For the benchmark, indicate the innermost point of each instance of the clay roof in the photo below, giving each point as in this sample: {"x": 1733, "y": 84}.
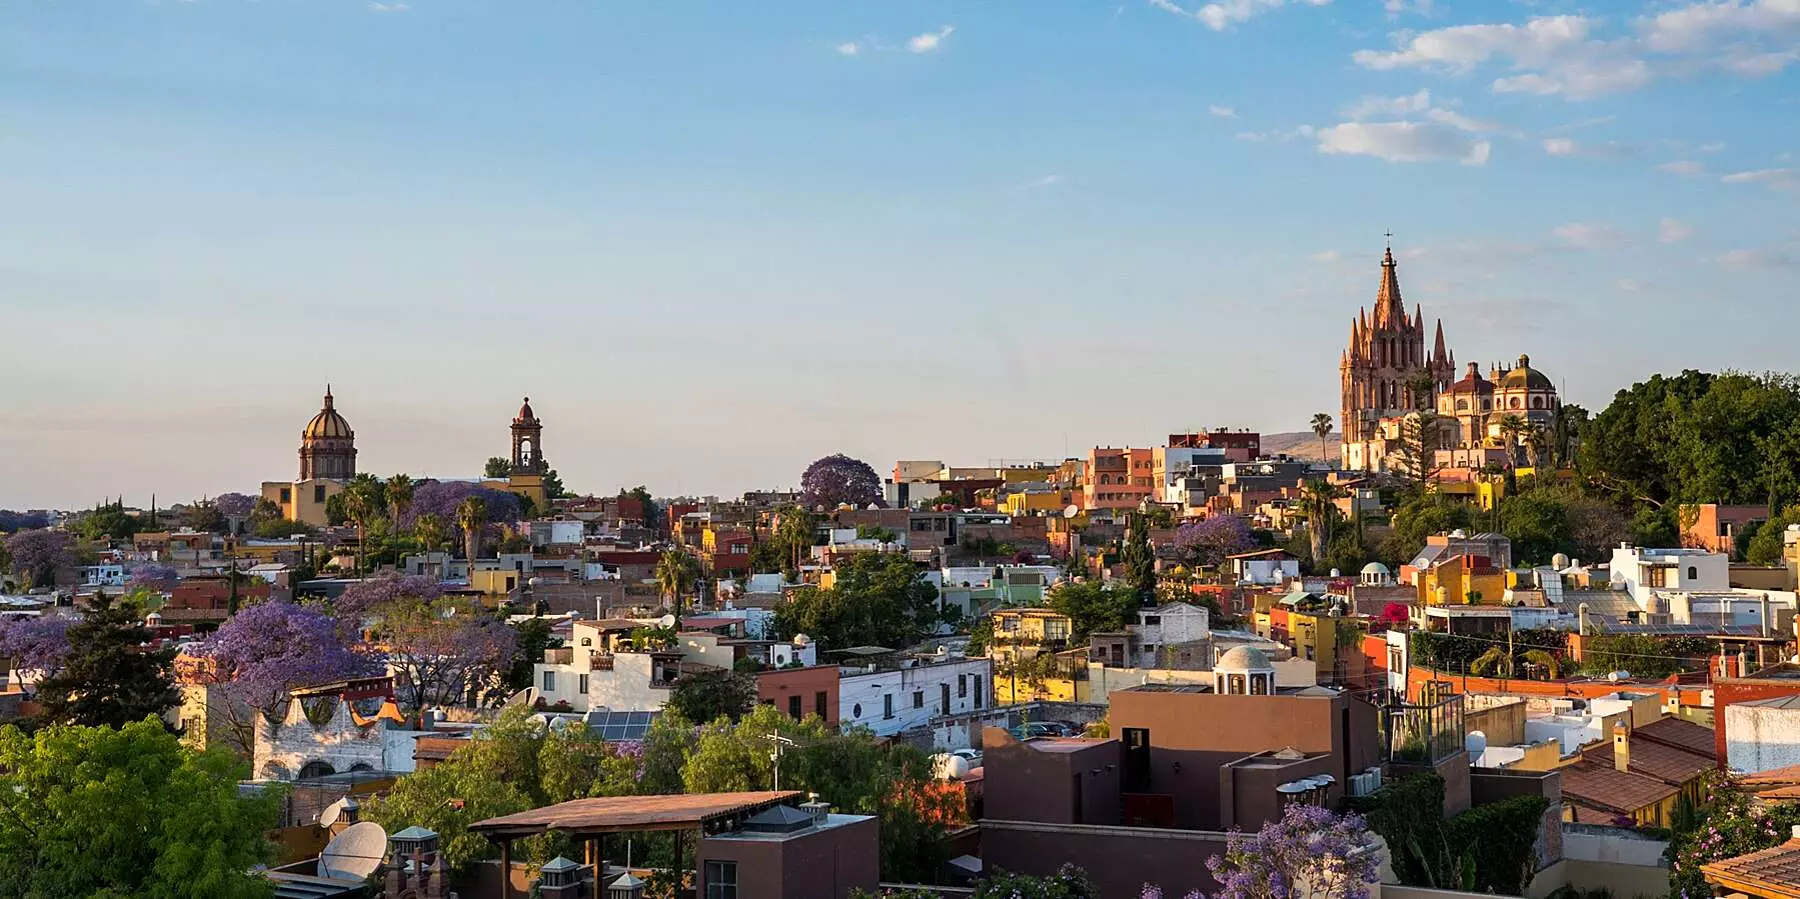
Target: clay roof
{"x": 1666, "y": 763}
{"x": 609, "y": 814}
{"x": 1600, "y": 786}
{"x": 1771, "y": 872}
{"x": 1774, "y": 777}
{"x": 1680, "y": 733}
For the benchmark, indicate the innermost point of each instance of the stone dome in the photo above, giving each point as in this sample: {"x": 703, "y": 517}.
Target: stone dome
{"x": 1244, "y": 658}
{"x": 525, "y": 413}
{"x": 1376, "y": 568}
{"x": 1524, "y": 377}
{"x": 328, "y": 424}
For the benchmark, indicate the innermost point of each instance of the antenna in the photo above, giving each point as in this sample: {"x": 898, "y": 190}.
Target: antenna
{"x": 355, "y": 853}
{"x": 775, "y": 755}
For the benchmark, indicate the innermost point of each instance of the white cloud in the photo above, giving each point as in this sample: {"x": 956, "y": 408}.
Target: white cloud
{"x": 1703, "y": 27}
{"x": 1686, "y": 168}
{"x": 1462, "y": 122}
{"x": 1582, "y": 80}
{"x": 1223, "y": 112}
{"x": 1327, "y": 256}
{"x": 378, "y": 6}
{"x": 1755, "y": 259}
{"x": 849, "y": 48}
{"x": 1588, "y": 237}
{"x": 1223, "y": 14}
{"x": 1563, "y": 146}
{"x": 1045, "y": 181}
{"x": 1671, "y": 231}
{"x": 1758, "y": 176}
{"x": 1395, "y": 8}
{"x": 1403, "y": 142}
{"x": 1711, "y": 148}
{"x": 1462, "y": 47}
{"x": 1369, "y": 106}
{"x": 1629, "y": 285}
{"x": 930, "y": 41}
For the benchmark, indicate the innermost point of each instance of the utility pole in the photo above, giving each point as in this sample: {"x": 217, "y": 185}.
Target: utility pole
{"x": 775, "y": 755}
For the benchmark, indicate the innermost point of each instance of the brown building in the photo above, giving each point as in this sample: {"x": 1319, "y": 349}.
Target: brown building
{"x": 800, "y": 692}
{"x": 786, "y": 852}
{"x": 1051, "y": 781}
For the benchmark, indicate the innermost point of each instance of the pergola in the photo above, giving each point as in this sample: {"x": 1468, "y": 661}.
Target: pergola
{"x": 590, "y": 820}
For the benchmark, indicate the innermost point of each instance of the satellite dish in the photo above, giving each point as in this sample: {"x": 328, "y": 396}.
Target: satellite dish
{"x": 332, "y": 813}
{"x": 666, "y": 621}
{"x": 1073, "y": 511}
{"x": 1475, "y": 743}
{"x": 355, "y": 853}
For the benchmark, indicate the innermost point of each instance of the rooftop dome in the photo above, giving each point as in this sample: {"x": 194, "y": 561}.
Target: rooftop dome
{"x": 525, "y": 413}
{"x": 1376, "y": 568}
{"x": 1244, "y": 658}
{"x": 1523, "y": 376}
{"x": 328, "y": 423}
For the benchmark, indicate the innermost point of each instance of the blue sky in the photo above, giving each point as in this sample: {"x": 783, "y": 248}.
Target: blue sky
{"x": 714, "y": 241}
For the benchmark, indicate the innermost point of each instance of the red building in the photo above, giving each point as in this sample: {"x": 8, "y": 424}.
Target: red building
{"x": 800, "y": 692}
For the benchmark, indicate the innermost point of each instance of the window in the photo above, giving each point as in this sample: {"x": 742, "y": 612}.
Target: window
{"x": 1515, "y": 402}
{"x": 581, "y": 682}
{"x": 1462, "y": 405}
{"x": 721, "y": 880}
{"x": 1136, "y": 777}
{"x": 318, "y": 493}
{"x": 819, "y": 703}
{"x": 962, "y": 685}
{"x": 549, "y": 682}
{"x": 287, "y": 495}
{"x": 1693, "y": 573}
{"x": 794, "y": 711}
{"x": 1152, "y": 620}
{"x": 944, "y": 699}
{"x": 978, "y": 691}
{"x": 918, "y": 699}
{"x": 887, "y": 705}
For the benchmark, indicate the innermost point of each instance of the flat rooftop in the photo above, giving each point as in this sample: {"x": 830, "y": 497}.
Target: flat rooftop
{"x": 609, "y": 814}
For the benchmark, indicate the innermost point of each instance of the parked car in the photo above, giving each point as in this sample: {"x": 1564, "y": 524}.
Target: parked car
{"x": 1045, "y": 729}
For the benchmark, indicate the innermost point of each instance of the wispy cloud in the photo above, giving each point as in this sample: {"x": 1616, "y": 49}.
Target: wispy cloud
{"x": 1686, "y": 168}
{"x": 1672, "y": 231}
{"x": 848, "y": 48}
{"x": 1396, "y": 8}
{"x": 930, "y": 41}
{"x": 1758, "y": 176}
{"x": 1223, "y": 14}
{"x": 1629, "y": 285}
{"x": 378, "y": 6}
{"x": 1045, "y": 181}
{"x": 1403, "y": 142}
{"x": 1327, "y": 256}
{"x": 1755, "y": 259}
{"x": 1223, "y": 112}
{"x": 1565, "y": 146}
{"x": 1582, "y": 235}
{"x": 1369, "y": 107}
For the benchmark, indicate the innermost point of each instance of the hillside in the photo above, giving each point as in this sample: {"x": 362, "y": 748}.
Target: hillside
{"x": 1300, "y": 445}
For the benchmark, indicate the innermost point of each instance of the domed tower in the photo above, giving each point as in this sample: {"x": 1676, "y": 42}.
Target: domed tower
{"x": 1244, "y": 670}
{"x": 527, "y": 441}
{"x": 328, "y": 445}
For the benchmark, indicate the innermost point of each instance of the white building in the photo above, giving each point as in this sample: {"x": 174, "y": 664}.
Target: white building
{"x": 1171, "y": 623}
{"x": 103, "y": 576}
{"x": 557, "y": 533}
{"x": 902, "y": 699}
{"x": 1641, "y": 572}
{"x": 1762, "y": 734}
{"x": 1265, "y": 567}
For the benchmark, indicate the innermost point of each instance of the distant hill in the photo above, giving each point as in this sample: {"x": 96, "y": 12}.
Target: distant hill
{"x": 1300, "y": 445}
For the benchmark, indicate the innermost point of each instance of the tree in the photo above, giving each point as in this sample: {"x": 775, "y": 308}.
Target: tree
{"x": 431, "y": 533}
{"x": 1093, "y": 608}
{"x": 877, "y": 599}
{"x": 1727, "y": 822}
{"x": 1308, "y": 851}
{"x": 471, "y": 517}
{"x": 128, "y": 811}
{"x": 1418, "y": 517}
{"x": 795, "y": 533}
{"x": 1537, "y": 523}
{"x": 1138, "y": 558}
{"x": 534, "y": 638}
{"x": 108, "y": 677}
{"x": 1419, "y": 438}
{"x": 107, "y": 522}
{"x": 38, "y": 554}
{"x": 712, "y": 694}
{"x": 1510, "y": 427}
{"x": 281, "y": 529}
{"x": 11, "y": 521}
{"x": 1069, "y": 882}
{"x": 202, "y": 515}
{"x": 261, "y": 654}
{"x": 837, "y": 480}
{"x": 235, "y": 505}
{"x": 1318, "y": 502}
{"x": 399, "y": 491}
{"x": 441, "y": 651}
{"x": 676, "y": 574}
{"x": 496, "y": 467}
{"x": 1209, "y": 541}
{"x": 37, "y": 644}
{"x": 1765, "y": 544}
{"x": 1321, "y": 426}
{"x": 441, "y": 498}
{"x": 653, "y": 514}
{"x": 553, "y": 485}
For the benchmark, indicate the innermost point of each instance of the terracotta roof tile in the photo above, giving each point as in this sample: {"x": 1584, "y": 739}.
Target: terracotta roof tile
{"x": 1771, "y": 872}
{"x": 1665, "y": 763}
{"x": 1680, "y": 733}
{"x": 1599, "y": 786}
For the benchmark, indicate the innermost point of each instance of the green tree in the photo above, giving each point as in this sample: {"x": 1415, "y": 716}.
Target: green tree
{"x": 1418, "y": 517}
{"x": 1321, "y": 427}
{"x": 1537, "y": 522}
{"x": 1139, "y": 559}
{"x": 399, "y": 493}
{"x": 1093, "y": 608}
{"x": 795, "y": 534}
{"x": 127, "y": 811}
{"x": 109, "y": 678}
{"x": 712, "y": 694}
{"x": 1510, "y": 427}
{"x": 653, "y": 514}
{"x": 1764, "y": 545}
{"x": 471, "y": 518}
{"x": 1318, "y": 502}
{"x": 876, "y": 599}
{"x": 496, "y": 467}
{"x": 202, "y": 515}
{"x": 676, "y": 574}
{"x": 553, "y": 485}
{"x": 107, "y": 522}
{"x": 534, "y": 638}
{"x": 1419, "y": 438}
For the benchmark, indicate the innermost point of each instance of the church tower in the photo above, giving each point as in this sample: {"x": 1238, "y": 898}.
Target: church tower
{"x": 328, "y": 446}
{"x": 1380, "y": 371}
{"x": 527, "y": 442}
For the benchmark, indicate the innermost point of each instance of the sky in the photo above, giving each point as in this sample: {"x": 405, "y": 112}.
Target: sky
{"x": 714, "y": 241}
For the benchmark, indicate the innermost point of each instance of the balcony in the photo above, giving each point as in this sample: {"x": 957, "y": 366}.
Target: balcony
{"x": 1423, "y": 734}
{"x": 600, "y": 661}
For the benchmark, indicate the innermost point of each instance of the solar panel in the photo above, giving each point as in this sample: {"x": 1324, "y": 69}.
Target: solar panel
{"x": 617, "y": 726}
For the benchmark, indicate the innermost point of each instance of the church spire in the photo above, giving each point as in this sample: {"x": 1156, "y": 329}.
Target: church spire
{"x": 1437, "y": 350}
{"x": 1390, "y": 309}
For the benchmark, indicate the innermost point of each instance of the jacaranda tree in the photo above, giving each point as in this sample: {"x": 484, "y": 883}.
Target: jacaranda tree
{"x": 837, "y": 480}
{"x": 265, "y": 651}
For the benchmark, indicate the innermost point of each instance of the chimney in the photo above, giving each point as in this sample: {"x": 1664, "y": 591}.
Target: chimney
{"x": 1621, "y": 748}
{"x": 819, "y": 811}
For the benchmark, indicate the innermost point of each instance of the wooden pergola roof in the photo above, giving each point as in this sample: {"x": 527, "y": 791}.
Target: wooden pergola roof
{"x": 614, "y": 814}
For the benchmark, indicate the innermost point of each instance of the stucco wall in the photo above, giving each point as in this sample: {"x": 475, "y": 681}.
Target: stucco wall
{"x": 1761, "y": 738}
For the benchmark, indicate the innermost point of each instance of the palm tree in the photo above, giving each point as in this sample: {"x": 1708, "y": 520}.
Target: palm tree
{"x": 429, "y": 531}
{"x": 471, "y": 516}
{"x": 675, "y": 575}
{"x": 362, "y": 502}
{"x": 1511, "y": 426}
{"x": 1498, "y": 662}
{"x": 1321, "y": 425}
{"x": 1318, "y": 500}
{"x": 399, "y": 495}
{"x": 1537, "y": 439}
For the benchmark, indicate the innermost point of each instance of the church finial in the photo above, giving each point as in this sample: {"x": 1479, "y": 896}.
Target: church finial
{"x": 328, "y": 404}
{"x": 1390, "y": 309}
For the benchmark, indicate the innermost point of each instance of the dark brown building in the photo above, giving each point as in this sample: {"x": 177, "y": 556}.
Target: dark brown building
{"x": 1051, "y": 781}
{"x": 785, "y": 852}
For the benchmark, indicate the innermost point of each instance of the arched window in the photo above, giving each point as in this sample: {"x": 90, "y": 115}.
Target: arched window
{"x": 1462, "y": 405}
{"x": 1515, "y": 402}
{"x": 1487, "y": 405}
{"x": 316, "y": 768}
{"x": 1693, "y": 573}
{"x": 1537, "y": 402}
{"x": 1237, "y": 684}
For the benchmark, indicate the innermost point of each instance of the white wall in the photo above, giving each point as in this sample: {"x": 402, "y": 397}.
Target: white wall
{"x": 1690, "y": 570}
{"x": 1760, "y": 738}
{"x": 1180, "y": 623}
{"x": 864, "y": 693}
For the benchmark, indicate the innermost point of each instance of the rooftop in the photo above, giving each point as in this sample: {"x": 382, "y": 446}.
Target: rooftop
{"x": 1681, "y": 733}
{"x": 612, "y": 814}
{"x": 1771, "y": 872}
{"x": 1597, "y": 785}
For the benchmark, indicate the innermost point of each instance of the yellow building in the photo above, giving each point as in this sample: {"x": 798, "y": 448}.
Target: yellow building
{"x": 1033, "y": 659}
{"x": 327, "y": 463}
{"x": 1462, "y": 580}
{"x": 496, "y": 584}
{"x": 302, "y": 501}
{"x": 526, "y": 476}
{"x": 1045, "y": 501}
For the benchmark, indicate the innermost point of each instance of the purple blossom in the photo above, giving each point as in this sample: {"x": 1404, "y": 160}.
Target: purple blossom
{"x": 1210, "y": 541}
{"x": 1309, "y": 850}
{"x": 37, "y": 554}
{"x": 34, "y": 643}
{"x": 359, "y": 601}
{"x": 441, "y": 649}
{"x": 268, "y": 649}
{"x": 234, "y": 505}
{"x": 838, "y": 479}
{"x": 441, "y": 498}
{"x": 152, "y": 576}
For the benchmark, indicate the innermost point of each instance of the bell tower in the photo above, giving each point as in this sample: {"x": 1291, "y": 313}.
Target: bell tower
{"x": 527, "y": 442}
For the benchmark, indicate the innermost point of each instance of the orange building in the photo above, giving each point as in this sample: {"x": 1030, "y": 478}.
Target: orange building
{"x": 1118, "y": 478}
